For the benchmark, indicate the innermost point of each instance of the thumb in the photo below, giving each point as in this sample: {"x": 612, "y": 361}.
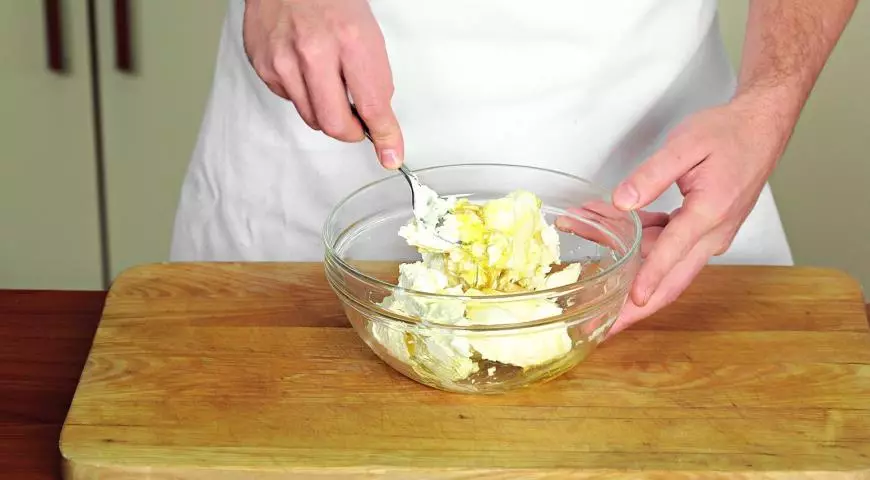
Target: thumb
{"x": 383, "y": 129}
{"x": 678, "y": 156}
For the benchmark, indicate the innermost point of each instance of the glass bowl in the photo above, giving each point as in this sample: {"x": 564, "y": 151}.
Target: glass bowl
{"x": 364, "y": 250}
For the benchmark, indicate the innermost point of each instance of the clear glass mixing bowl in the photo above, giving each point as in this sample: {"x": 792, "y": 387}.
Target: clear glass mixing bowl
{"x": 363, "y": 251}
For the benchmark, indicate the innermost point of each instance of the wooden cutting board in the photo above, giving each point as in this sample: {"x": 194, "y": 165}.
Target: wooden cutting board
{"x": 237, "y": 371}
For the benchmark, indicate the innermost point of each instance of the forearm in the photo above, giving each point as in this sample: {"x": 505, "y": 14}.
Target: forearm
{"x": 786, "y": 46}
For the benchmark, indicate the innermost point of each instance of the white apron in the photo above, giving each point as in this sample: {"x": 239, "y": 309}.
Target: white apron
{"x": 589, "y": 88}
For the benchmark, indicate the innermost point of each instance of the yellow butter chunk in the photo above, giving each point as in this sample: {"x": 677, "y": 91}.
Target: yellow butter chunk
{"x": 501, "y": 246}
{"x": 506, "y": 244}
{"x": 524, "y": 348}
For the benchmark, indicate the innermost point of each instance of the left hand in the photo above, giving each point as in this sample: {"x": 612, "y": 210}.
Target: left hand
{"x": 720, "y": 159}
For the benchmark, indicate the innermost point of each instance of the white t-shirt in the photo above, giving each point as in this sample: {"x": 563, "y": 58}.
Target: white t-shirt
{"x": 589, "y": 88}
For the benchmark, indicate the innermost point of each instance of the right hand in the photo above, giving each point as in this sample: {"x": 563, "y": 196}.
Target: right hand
{"x": 608, "y": 216}
{"x": 313, "y": 52}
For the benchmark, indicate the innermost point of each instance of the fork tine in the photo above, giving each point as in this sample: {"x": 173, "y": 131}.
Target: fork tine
{"x": 412, "y": 179}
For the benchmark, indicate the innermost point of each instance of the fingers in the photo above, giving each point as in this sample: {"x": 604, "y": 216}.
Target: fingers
{"x": 676, "y": 282}
{"x": 683, "y": 232}
{"x": 293, "y": 87}
{"x": 369, "y": 80}
{"x": 601, "y": 208}
{"x": 585, "y": 230}
{"x": 277, "y": 89}
{"x": 650, "y": 237}
{"x": 386, "y": 134}
{"x": 653, "y": 219}
{"x": 601, "y": 214}
{"x": 316, "y": 54}
{"x": 679, "y": 155}
{"x": 321, "y": 71}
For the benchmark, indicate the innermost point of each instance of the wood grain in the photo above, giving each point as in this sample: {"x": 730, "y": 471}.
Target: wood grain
{"x": 44, "y": 341}
{"x": 233, "y": 371}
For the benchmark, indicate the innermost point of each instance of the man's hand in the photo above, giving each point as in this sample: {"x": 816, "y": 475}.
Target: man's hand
{"x": 602, "y": 216}
{"x": 313, "y": 52}
{"x": 720, "y": 159}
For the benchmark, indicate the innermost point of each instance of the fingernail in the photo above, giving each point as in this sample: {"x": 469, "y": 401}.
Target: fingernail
{"x": 390, "y": 159}
{"x": 645, "y": 296}
{"x": 626, "y": 196}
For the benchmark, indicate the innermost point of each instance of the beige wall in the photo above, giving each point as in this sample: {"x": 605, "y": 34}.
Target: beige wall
{"x": 822, "y": 185}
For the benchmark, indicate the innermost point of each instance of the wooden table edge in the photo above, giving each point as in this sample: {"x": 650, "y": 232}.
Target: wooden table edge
{"x": 45, "y": 295}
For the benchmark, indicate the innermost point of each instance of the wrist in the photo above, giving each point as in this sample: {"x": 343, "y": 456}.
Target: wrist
{"x": 770, "y": 110}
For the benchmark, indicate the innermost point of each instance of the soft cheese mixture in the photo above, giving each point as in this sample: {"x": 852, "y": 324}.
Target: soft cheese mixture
{"x": 502, "y": 246}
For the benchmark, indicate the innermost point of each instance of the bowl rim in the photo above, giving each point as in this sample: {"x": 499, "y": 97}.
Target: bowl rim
{"x": 545, "y": 293}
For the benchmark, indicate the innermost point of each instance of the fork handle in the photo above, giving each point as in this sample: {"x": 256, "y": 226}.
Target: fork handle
{"x": 365, "y": 127}
{"x": 409, "y": 175}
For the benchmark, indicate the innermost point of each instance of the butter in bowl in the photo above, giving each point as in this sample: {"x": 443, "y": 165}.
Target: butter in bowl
{"x": 517, "y": 284}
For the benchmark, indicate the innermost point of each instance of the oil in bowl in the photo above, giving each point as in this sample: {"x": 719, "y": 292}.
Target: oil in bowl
{"x": 463, "y": 339}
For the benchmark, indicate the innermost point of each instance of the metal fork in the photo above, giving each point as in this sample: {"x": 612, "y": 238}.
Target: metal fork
{"x": 411, "y": 177}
